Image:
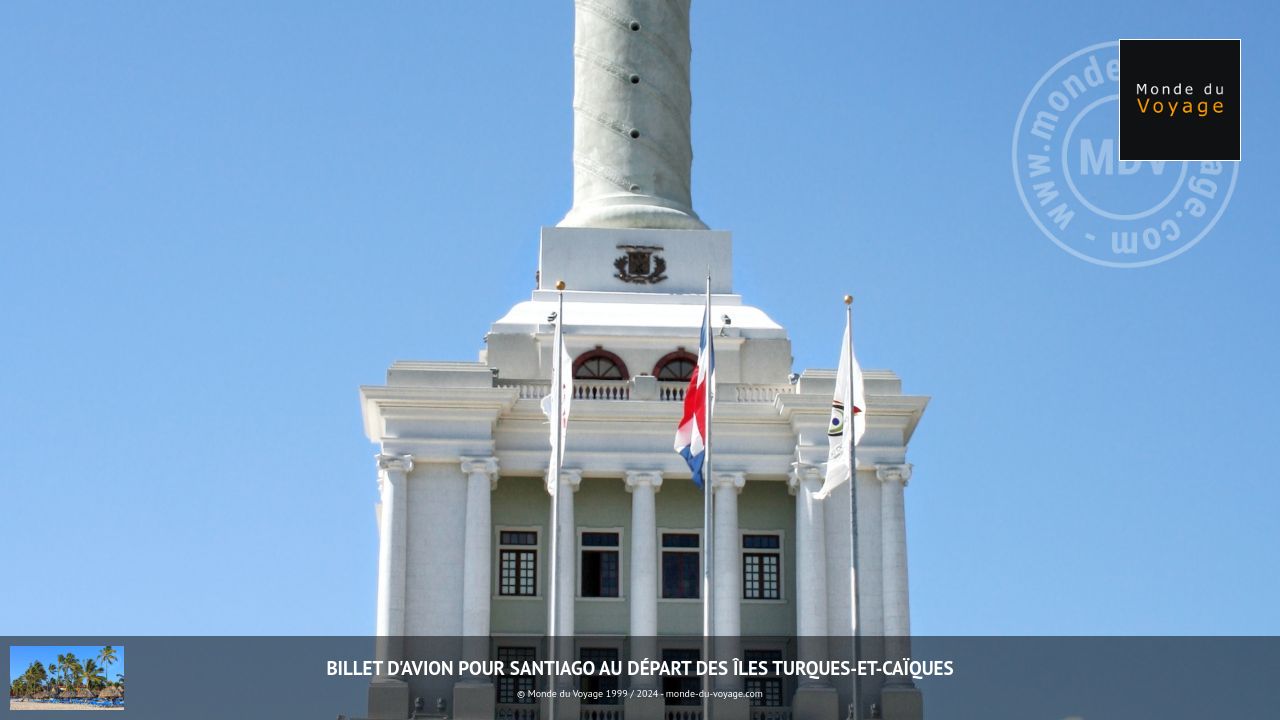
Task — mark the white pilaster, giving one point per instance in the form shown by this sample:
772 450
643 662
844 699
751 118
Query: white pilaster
811 566
393 471
727 591
897 617
811 552
566 557
837 514
643 485
726 594
482 477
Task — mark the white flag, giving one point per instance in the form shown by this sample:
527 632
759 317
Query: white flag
849 402
561 370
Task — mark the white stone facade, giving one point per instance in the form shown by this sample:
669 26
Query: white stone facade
464 453
463 446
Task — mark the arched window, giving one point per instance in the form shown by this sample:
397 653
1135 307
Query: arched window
678 365
599 364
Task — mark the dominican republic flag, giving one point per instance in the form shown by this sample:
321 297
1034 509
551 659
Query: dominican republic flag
848 419
691 435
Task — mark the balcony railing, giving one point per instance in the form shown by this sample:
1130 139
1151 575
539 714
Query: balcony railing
516 712
770 713
683 712
665 391
600 712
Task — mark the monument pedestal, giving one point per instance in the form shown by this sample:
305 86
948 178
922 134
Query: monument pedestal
388 699
474 700
902 702
816 703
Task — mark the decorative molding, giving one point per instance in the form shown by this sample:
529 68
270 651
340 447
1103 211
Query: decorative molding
395 463
734 479
636 478
481 465
894 473
568 476
801 473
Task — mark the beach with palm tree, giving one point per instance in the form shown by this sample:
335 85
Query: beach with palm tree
66 678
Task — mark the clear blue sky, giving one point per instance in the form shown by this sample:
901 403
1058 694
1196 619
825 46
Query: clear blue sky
21 657
218 220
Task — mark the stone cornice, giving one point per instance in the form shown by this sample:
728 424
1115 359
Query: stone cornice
382 404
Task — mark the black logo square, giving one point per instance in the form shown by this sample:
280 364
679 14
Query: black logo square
1179 100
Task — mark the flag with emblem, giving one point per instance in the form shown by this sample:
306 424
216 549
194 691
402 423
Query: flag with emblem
848 417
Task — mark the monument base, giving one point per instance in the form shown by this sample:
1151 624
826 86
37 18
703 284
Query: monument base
474 700
816 703
901 703
388 699
644 708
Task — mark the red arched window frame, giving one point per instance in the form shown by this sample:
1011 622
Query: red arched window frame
680 355
585 369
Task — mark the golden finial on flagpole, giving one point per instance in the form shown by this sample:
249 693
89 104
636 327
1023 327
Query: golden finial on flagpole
559 284
848 299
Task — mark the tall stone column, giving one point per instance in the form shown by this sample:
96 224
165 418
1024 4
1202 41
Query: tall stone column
482 477
897 617
643 486
632 152
726 594
566 560
389 697
899 698
393 471
473 696
815 698
566 580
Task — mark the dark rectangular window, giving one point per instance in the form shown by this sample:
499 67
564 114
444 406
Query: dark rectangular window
682 689
761 575
761 542
764 691
680 566
516 688
600 564
518 537
597 687
680 540
518 563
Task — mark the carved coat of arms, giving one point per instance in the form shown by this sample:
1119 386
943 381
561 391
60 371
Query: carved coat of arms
641 264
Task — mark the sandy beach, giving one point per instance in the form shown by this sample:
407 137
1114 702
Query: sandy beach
33 705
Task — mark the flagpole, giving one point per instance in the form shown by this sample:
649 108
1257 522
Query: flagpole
708 540
856 639
553 615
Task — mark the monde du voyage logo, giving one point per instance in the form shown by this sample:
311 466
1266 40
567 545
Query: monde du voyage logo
1128 164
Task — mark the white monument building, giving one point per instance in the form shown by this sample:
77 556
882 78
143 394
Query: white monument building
464 453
